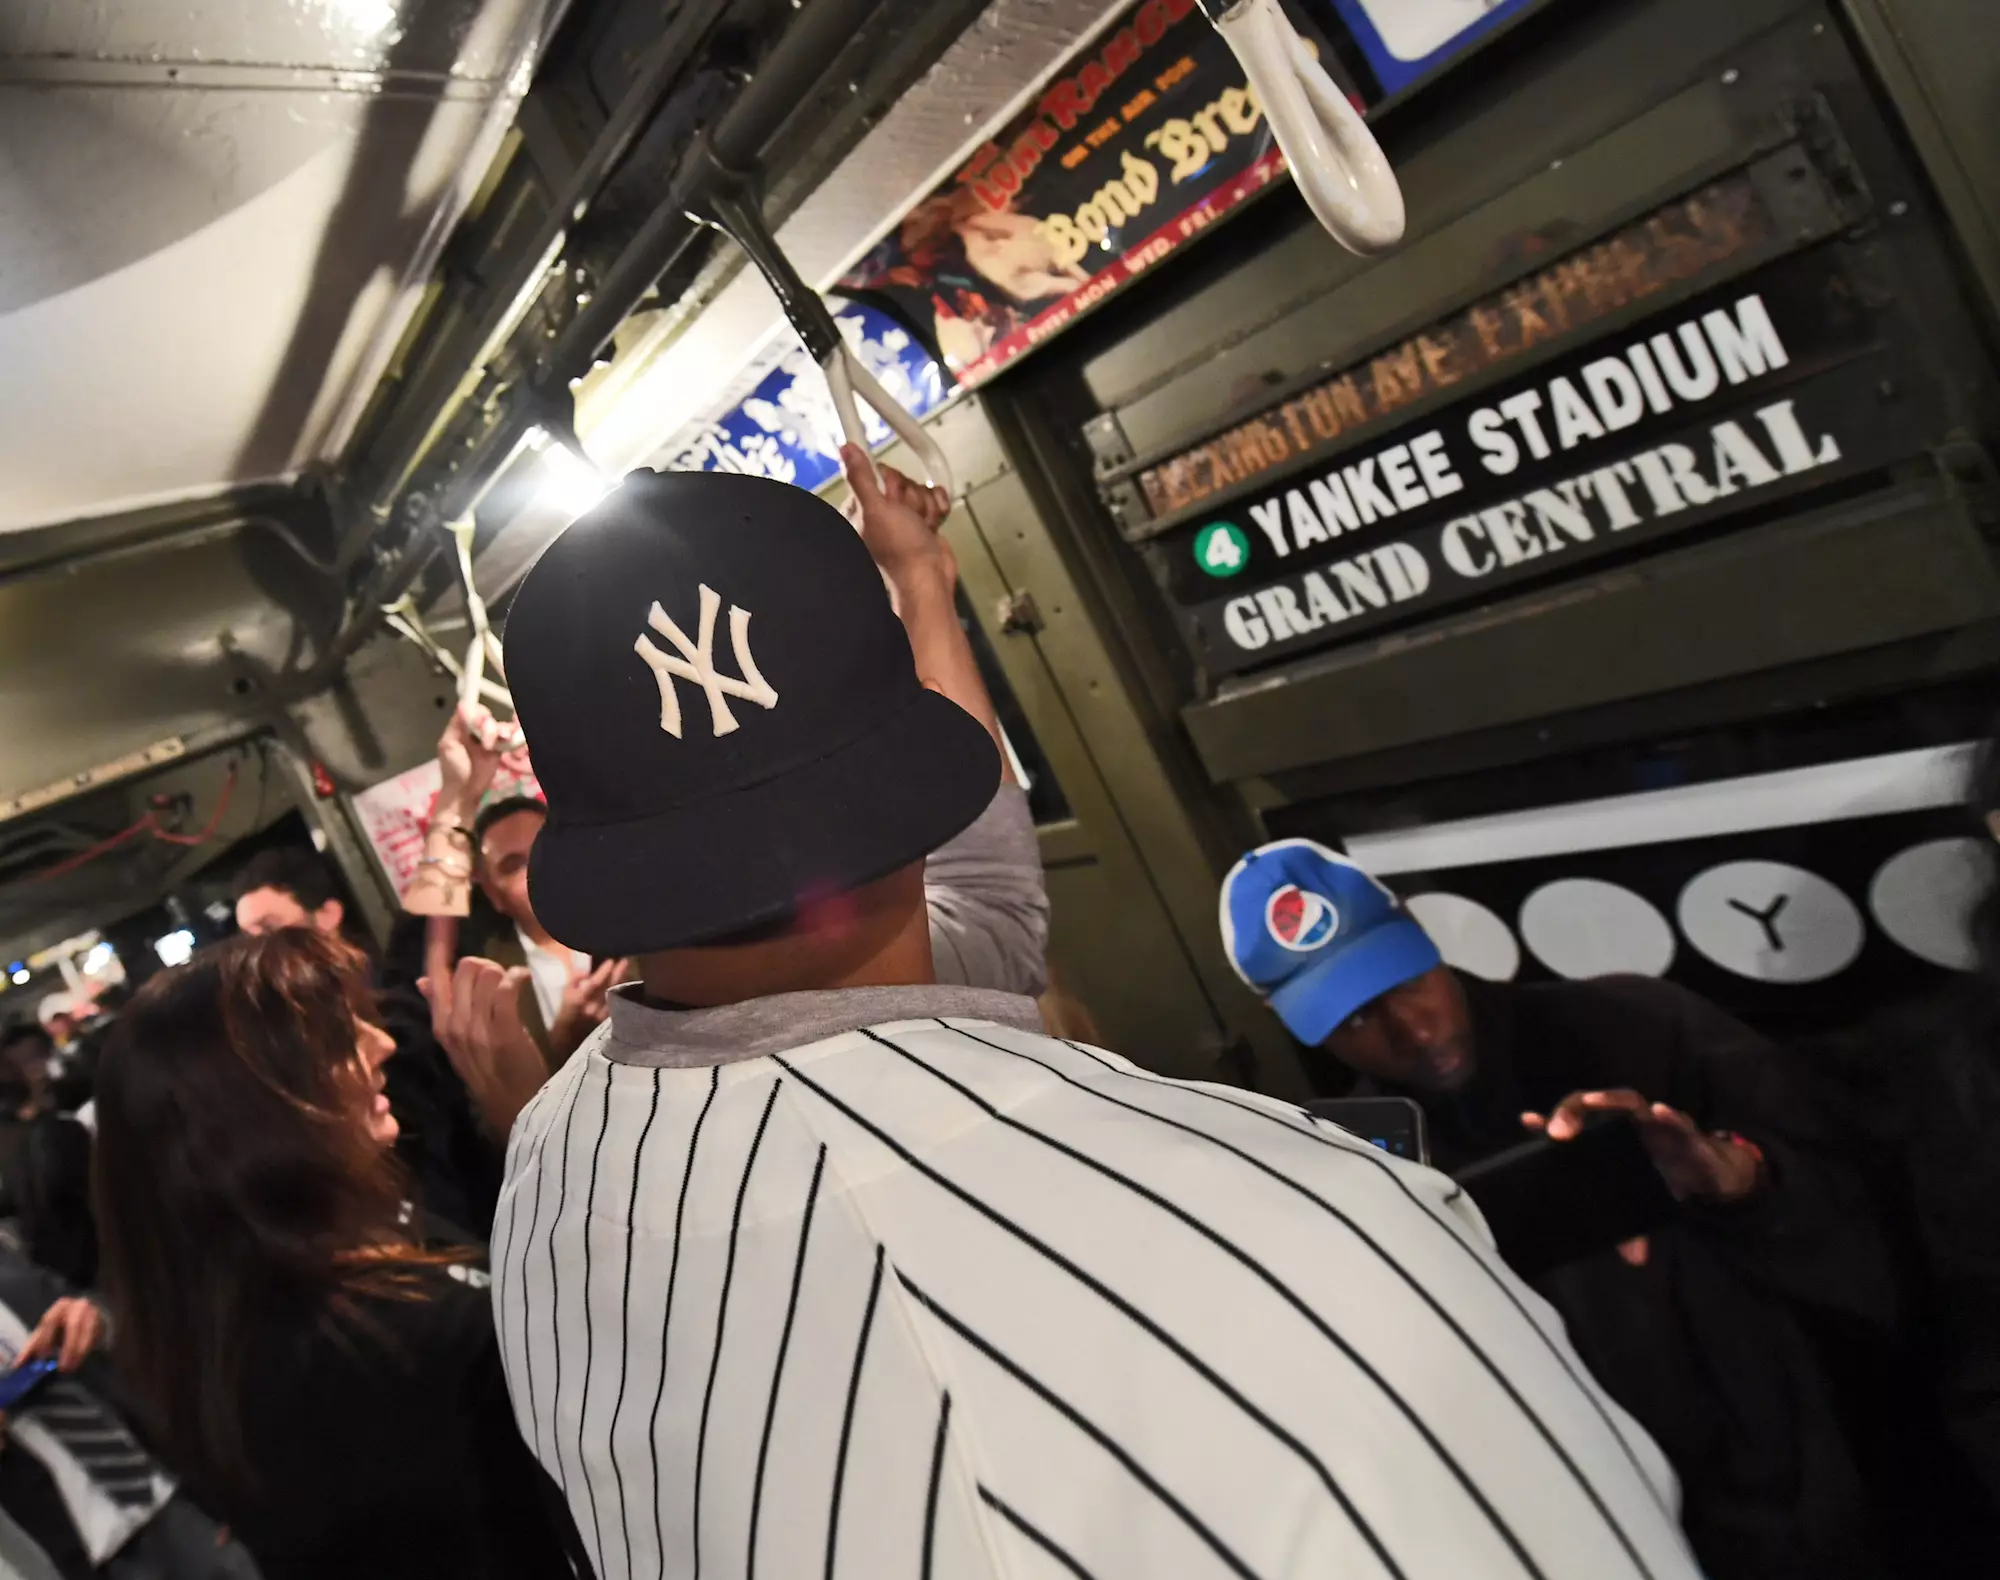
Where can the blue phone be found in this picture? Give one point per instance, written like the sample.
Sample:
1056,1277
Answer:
17,1384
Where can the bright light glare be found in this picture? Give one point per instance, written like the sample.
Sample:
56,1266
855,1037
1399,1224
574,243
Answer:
176,949
97,959
22,976
373,20
568,483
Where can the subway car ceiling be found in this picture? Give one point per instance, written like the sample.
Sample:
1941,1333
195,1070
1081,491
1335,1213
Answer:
1658,453
266,272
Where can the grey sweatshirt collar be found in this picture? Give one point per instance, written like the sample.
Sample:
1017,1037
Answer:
678,1039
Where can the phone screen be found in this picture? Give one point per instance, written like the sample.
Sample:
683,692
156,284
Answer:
22,1380
1395,1124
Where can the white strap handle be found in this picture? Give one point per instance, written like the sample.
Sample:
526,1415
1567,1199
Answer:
485,645
846,376
403,619
484,648
1340,169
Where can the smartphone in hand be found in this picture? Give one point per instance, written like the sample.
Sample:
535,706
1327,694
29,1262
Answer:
20,1382
1549,1203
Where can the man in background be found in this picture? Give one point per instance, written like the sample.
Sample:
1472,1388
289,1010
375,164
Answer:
1697,1330
26,1052
563,1001
287,886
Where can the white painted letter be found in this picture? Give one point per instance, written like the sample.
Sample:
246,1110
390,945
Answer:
1499,453
1241,621
1748,344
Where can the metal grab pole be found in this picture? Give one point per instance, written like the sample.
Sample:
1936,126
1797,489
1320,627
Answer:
665,61
1340,169
765,103
760,109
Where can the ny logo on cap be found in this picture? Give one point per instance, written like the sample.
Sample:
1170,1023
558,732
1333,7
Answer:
697,663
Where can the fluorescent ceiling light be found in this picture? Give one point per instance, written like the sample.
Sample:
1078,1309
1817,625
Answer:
567,482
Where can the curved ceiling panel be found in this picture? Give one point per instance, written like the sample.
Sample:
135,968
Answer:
214,217
116,174
346,34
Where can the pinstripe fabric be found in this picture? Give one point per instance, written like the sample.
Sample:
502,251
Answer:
953,1299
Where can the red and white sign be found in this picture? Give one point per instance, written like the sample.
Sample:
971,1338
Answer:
394,813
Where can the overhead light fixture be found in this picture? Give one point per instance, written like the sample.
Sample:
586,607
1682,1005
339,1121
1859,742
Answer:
20,974
100,956
176,949
567,482
372,20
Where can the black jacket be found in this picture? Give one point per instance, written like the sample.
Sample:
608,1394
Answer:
1709,1343
1918,1098
388,1449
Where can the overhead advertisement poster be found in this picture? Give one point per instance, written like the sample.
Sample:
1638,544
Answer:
1146,139
1404,40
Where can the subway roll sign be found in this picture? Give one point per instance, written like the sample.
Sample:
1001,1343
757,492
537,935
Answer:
1771,386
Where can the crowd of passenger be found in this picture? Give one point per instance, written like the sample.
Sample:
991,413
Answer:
1013,1304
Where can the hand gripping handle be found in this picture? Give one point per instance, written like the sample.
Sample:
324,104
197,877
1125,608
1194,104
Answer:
846,377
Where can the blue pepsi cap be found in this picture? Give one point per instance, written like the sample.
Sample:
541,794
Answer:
1316,936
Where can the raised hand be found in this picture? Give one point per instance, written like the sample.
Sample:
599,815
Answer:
476,1016
1695,1164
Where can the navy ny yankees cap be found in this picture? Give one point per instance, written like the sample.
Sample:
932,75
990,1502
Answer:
723,711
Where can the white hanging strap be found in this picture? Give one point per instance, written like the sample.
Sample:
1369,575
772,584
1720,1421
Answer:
736,208
1340,169
485,646
402,618
846,377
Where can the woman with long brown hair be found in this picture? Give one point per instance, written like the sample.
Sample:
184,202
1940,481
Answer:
331,1386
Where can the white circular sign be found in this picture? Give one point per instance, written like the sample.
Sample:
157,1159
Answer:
1771,922
1585,927
1468,935
1923,898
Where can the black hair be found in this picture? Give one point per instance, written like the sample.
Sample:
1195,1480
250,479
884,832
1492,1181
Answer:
500,811
18,1038
293,870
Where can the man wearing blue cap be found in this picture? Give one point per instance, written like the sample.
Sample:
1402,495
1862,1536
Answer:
1700,1331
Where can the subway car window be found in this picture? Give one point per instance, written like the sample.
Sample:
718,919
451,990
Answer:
1161,787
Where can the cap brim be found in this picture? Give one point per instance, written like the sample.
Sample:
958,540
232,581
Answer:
752,856
1323,995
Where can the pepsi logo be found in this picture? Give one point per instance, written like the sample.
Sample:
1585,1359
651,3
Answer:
1299,919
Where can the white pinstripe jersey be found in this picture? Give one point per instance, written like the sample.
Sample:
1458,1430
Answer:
950,1298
